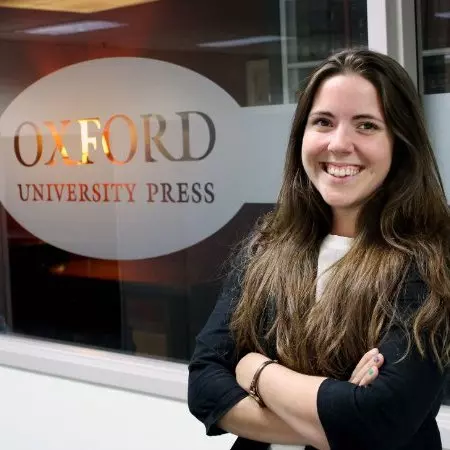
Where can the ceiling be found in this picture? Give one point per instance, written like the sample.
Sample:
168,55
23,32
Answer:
156,25
78,6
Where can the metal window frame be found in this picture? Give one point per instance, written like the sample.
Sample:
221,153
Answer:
5,281
392,30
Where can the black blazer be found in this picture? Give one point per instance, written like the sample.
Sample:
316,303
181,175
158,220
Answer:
397,411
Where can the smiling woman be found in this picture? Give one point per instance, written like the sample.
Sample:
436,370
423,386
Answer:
356,256
347,147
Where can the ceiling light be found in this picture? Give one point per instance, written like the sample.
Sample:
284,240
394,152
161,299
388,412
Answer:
75,6
443,15
73,28
241,42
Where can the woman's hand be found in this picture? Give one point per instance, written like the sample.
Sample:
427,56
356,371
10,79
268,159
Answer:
367,369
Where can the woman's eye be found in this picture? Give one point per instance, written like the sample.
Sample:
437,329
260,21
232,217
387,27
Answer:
322,122
368,126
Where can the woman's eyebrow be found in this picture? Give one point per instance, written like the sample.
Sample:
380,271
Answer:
355,117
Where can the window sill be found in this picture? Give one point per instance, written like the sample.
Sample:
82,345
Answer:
132,373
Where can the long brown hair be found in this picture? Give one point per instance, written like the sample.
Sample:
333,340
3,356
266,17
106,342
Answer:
405,222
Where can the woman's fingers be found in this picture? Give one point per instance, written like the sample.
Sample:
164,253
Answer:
365,359
369,376
367,369
363,362
369,372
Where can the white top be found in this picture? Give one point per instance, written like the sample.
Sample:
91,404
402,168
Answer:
332,249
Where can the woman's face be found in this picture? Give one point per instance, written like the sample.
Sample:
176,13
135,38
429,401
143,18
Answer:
346,148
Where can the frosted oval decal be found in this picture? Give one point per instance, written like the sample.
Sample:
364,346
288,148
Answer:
129,158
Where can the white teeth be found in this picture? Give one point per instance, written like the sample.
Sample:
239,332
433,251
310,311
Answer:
342,171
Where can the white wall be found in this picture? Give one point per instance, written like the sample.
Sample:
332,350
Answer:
41,412
55,396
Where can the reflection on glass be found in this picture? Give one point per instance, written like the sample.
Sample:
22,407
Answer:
324,26
435,55
258,52
435,21
314,29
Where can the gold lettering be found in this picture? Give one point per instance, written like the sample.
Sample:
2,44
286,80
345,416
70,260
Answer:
58,137
89,143
87,140
106,140
39,146
156,139
186,135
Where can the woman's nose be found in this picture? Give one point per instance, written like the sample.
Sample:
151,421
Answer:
341,140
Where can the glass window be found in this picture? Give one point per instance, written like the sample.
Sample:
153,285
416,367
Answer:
435,59
436,46
315,29
140,143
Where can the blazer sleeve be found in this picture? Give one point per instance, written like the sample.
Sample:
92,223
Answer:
212,387
389,412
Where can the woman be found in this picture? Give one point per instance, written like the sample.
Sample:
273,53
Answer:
354,256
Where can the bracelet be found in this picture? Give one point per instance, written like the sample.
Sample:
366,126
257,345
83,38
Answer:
254,392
